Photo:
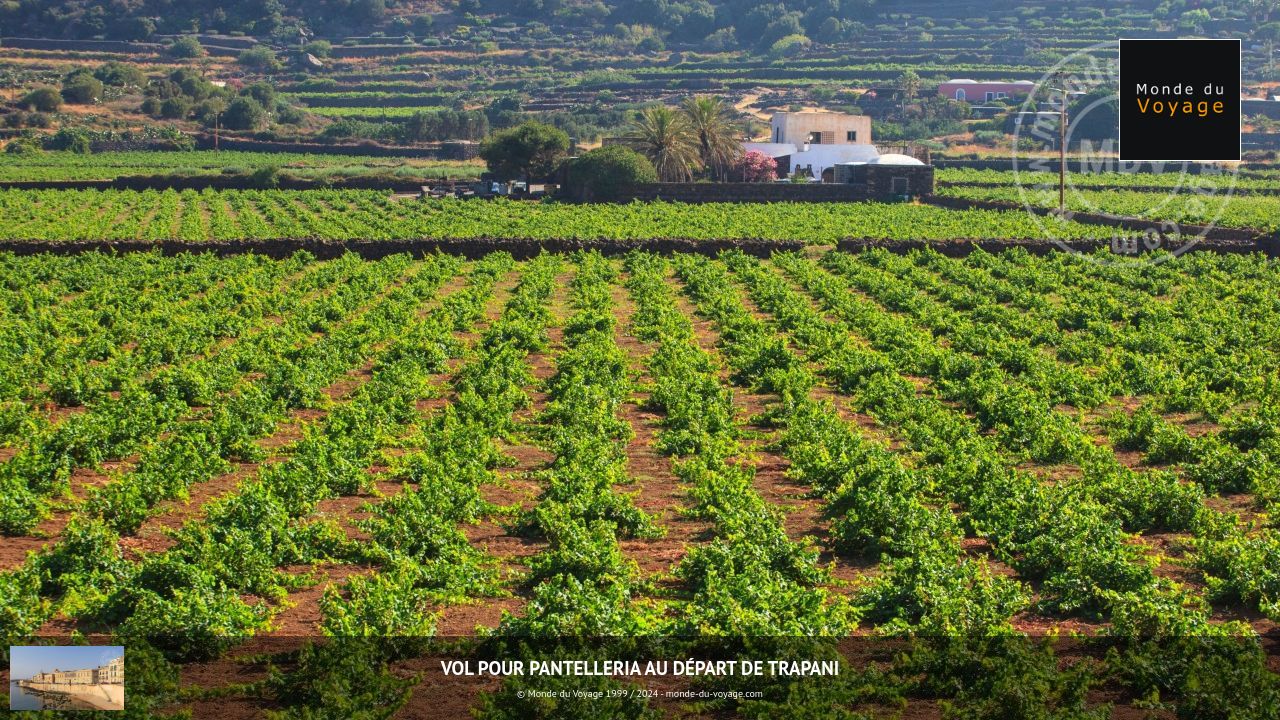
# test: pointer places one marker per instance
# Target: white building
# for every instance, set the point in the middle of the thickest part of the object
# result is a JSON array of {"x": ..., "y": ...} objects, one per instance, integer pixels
[{"x": 816, "y": 141}]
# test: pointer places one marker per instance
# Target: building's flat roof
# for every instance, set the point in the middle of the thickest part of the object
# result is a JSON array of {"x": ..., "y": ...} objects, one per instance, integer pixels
[
  {"x": 988, "y": 82},
  {"x": 814, "y": 111}
]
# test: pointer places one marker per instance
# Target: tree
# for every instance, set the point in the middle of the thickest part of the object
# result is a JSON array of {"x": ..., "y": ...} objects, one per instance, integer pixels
[
  {"x": 43, "y": 99},
  {"x": 529, "y": 150},
  {"x": 715, "y": 133},
  {"x": 136, "y": 28},
  {"x": 189, "y": 82},
  {"x": 74, "y": 140},
  {"x": 82, "y": 90},
  {"x": 1271, "y": 34},
  {"x": 260, "y": 58},
  {"x": 263, "y": 92},
  {"x": 785, "y": 26},
  {"x": 908, "y": 85},
  {"x": 319, "y": 48},
  {"x": 186, "y": 47},
  {"x": 244, "y": 113},
  {"x": 756, "y": 167},
  {"x": 788, "y": 45},
  {"x": 1094, "y": 116},
  {"x": 605, "y": 173},
  {"x": 664, "y": 136},
  {"x": 175, "y": 108},
  {"x": 831, "y": 30},
  {"x": 368, "y": 11},
  {"x": 120, "y": 74},
  {"x": 209, "y": 111}
]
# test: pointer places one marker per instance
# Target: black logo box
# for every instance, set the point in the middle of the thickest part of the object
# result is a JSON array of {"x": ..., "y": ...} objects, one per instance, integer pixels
[{"x": 1186, "y": 67}]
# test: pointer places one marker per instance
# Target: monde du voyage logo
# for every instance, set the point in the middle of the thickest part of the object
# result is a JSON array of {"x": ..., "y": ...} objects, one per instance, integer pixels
[{"x": 1180, "y": 100}]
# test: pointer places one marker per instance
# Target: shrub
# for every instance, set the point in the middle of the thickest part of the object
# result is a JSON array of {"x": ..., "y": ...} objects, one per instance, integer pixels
[
  {"x": 259, "y": 58},
  {"x": 175, "y": 108},
  {"x": 72, "y": 140},
  {"x": 43, "y": 99},
  {"x": 788, "y": 45},
  {"x": 290, "y": 115},
  {"x": 82, "y": 90},
  {"x": 319, "y": 48},
  {"x": 186, "y": 47},
  {"x": 120, "y": 74},
  {"x": 604, "y": 173},
  {"x": 22, "y": 118},
  {"x": 265, "y": 177},
  {"x": 23, "y": 146},
  {"x": 756, "y": 167},
  {"x": 244, "y": 113}
]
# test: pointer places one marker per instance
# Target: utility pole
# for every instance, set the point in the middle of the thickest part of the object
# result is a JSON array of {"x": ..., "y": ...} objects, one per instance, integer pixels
[
  {"x": 1062, "y": 157},
  {"x": 1062, "y": 144},
  {"x": 217, "y": 116}
]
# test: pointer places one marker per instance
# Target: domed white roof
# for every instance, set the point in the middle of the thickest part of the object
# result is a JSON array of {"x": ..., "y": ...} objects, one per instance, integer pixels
[{"x": 895, "y": 159}]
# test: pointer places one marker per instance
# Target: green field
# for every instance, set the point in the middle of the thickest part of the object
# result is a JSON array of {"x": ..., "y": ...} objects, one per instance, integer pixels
[
  {"x": 206, "y": 451},
  {"x": 1214, "y": 205},
  {"x": 60, "y": 215},
  {"x": 49, "y": 166}
]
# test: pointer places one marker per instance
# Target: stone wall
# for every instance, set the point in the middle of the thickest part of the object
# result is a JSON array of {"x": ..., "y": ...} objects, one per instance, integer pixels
[
  {"x": 878, "y": 181},
  {"x": 1075, "y": 165},
  {"x": 454, "y": 150}
]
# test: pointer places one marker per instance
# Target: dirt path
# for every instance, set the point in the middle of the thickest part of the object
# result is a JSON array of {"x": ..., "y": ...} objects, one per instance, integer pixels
[
  {"x": 804, "y": 513},
  {"x": 303, "y": 617},
  {"x": 13, "y": 550},
  {"x": 152, "y": 535},
  {"x": 518, "y": 489},
  {"x": 659, "y": 491}
]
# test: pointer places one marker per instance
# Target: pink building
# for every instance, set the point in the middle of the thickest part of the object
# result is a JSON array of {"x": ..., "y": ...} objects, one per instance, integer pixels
[{"x": 974, "y": 91}]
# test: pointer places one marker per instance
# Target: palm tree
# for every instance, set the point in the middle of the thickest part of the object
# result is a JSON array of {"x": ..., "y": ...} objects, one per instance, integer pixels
[
  {"x": 664, "y": 136},
  {"x": 714, "y": 132},
  {"x": 908, "y": 86}
]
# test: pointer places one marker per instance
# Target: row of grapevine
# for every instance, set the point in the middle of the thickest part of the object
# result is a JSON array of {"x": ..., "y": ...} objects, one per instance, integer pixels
[
  {"x": 151, "y": 406},
  {"x": 1211, "y": 205},
  {"x": 751, "y": 579},
  {"x": 92, "y": 215},
  {"x": 581, "y": 586},
  {"x": 1065, "y": 541},
  {"x": 88, "y": 558}
]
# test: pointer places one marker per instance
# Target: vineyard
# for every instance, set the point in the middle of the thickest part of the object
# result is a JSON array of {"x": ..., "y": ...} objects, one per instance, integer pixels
[
  {"x": 1210, "y": 203},
  {"x": 204, "y": 216},
  {"x": 62, "y": 166},
  {"x": 285, "y": 483}
]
